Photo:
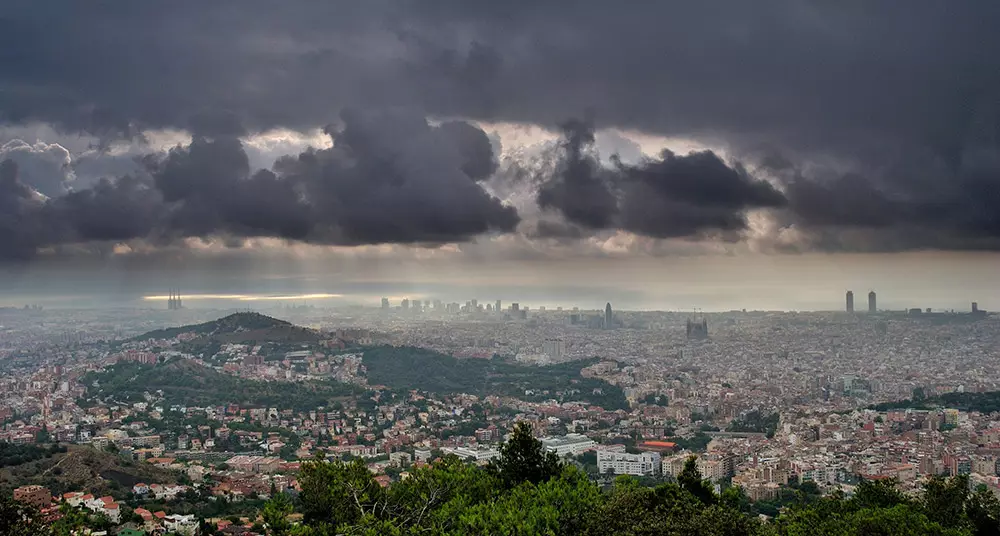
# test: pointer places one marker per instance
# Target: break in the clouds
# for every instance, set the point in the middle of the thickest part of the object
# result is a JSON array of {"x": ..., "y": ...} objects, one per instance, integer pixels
[
  {"x": 886, "y": 120},
  {"x": 46, "y": 167}
]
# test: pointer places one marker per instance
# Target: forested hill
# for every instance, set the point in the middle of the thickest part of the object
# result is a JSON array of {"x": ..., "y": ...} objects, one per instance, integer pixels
[
  {"x": 427, "y": 370},
  {"x": 986, "y": 402},
  {"x": 184, "y": 382},
  {"x": 239, "y": 327}
]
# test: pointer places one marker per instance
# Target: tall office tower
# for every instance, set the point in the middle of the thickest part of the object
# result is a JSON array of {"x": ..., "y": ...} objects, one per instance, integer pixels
[
  {"x": 385, "y": 303},
  {"x": 608, "y": 317},
  {"x": 850, "y": 301},
  {"x": 473, "y": 306},
  {"x": 871, "y": 302},
  {"x": 975, "y": 307},
  {"x": 405, "y": 304},
  {"x": 515, "y": 307},
  {"x": 496, "y": 308}
]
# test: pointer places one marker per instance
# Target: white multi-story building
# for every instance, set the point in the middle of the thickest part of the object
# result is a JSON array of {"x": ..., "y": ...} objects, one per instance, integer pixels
[
  {"x": 480, "y": 455},
  {"x": 568, "y": 444},
  {"x": 181, "y": 524},
  {"x": 622, "y": 463}
]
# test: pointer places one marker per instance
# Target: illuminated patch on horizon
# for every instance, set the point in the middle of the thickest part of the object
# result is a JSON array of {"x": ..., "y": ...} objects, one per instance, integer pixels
[{"x": 246, "y": 297}]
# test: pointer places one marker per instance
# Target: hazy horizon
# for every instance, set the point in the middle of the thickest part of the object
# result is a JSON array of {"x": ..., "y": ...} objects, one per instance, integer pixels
[{"x": 902, "y": 281}]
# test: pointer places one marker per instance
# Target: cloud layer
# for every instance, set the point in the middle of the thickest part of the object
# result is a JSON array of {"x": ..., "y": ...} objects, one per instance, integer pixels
[
  {"x": 848, "y": 127},
  {"x": 389, "y": 177}
]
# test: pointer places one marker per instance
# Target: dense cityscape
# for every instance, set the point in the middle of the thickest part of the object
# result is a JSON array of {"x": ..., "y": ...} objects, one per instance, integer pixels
[{"x": 199, "y": 416}]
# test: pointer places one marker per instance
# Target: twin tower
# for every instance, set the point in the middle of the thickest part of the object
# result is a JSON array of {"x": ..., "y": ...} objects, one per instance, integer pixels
[{"x": 871, "y": 302}]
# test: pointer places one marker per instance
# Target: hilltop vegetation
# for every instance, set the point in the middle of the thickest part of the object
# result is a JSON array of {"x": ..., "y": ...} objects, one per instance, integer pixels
[
  {"x": 427, "y": 370},
  {"x": 987, "y": 402},
  {"x": 11, "y": 454},
  {"x": 184, "y": 382},
  {"x": 757, "y": 422},
  {"x": 239, "y": 327},
  {"x": 77, "y": 467}
]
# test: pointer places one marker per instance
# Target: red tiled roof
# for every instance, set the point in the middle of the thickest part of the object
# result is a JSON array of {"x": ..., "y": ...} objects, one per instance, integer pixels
[{"x": 662, "y": 444}]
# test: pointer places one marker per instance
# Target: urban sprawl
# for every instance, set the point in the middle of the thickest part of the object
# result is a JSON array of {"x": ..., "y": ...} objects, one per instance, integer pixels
[{"x": 224, "y": 406}]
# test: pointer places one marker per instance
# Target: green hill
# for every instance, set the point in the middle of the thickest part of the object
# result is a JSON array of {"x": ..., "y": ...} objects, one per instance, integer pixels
[
  {"x": 427, "y": 370},
  {"x": 240, "y": 327},
  {"x": 184, "y": 382},
  {"x": 986, "y": 402},
  {"x": 82, "y": 467}
]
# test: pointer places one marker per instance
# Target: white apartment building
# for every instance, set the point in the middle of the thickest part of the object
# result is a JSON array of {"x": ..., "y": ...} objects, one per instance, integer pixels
[
  {"x": 621, "y": 463},
  {"x": 479, "y": 454},
  {"x": 568, "y": 444}
]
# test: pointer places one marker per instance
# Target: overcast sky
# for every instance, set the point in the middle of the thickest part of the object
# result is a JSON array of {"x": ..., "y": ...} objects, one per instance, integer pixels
[{"x": 662, "y": 155}]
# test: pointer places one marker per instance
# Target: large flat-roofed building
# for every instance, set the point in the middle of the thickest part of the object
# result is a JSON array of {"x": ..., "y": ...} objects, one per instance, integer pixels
[
  {"x": 568, "y": 444},
  {"x": 254, "y": 464},
  {"x": 620, "y": 463},
  {"x": 481, "y": 454}
]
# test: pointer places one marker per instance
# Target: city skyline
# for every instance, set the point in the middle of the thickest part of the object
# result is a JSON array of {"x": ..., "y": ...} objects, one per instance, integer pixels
[{"x": 433, "y": 305}]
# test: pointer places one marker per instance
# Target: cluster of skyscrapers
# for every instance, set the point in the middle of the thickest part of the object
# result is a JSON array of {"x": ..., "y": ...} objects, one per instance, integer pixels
[{"x": 470, "y": 307}]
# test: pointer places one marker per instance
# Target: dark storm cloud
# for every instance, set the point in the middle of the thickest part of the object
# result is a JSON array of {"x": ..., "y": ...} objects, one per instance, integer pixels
[
  {"x": 679, "y": 196},
  {"x": 868, "y": 84},
  {"x": 474, "y": 146},
  {"x": 804, "y": 73},
  {"x": 670, "y": 196},
  {"x": 925, "y": 203},
  {"x": 390, "y": 177},
  {"x": 110, "y": 211},
  {"x": 580, "y": 188},
  {"x": 21, "y": 231},
  {"x": 213, "y": 190}
]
